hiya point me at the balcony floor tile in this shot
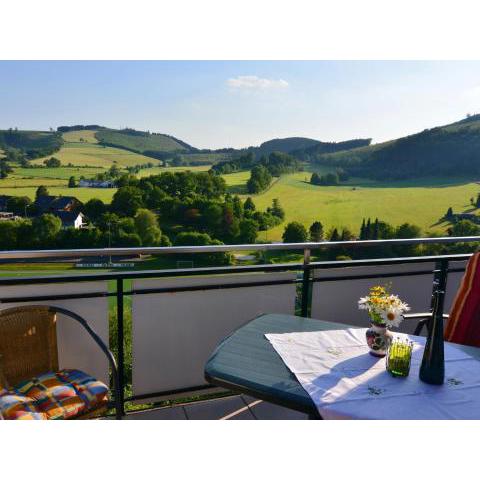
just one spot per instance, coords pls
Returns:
(167, 413)
(231, 408)
(268, 411)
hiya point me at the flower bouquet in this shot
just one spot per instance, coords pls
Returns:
(386, 311)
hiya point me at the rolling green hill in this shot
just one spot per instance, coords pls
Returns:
(146, 143)
(285, 145)
(452, 149)
(81, 148)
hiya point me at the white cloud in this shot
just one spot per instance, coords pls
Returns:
(252, 82)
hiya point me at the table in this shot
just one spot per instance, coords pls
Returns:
(246, 362)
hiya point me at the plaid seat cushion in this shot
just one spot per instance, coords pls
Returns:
(54, 396)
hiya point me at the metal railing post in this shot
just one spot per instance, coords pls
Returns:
(121, 344)
(306, 283)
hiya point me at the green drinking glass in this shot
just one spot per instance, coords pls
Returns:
(399, 357)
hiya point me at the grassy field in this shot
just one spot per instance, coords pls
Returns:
(146, 172)
(237, 181)
(89, 153)
(140, 143)
(88, 136)
(83, 194)
(63, 173)
(416, 202)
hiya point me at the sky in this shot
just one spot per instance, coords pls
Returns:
(215, 104)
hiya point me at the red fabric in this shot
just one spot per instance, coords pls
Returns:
(464, 320)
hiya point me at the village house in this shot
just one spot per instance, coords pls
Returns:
(96, 183)
(72, 219)
(65, 208)
(51, 204)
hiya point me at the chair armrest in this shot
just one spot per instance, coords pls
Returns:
(422, 319)
(410, 316)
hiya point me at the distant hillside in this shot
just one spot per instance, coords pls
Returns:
(312, 152)
(452, 149)
(156, 145)
(284, 145)
(33, 144)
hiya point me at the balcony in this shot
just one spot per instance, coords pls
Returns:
(163, 324)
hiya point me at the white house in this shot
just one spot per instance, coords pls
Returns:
(72, 219)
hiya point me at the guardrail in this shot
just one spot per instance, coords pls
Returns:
(305, 281)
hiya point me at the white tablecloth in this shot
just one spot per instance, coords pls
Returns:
(346, 382)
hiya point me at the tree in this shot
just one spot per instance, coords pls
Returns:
(52, 162)
(277, 210)
(315, 179)
(46, 227)
(72, 182)
(146, 226)
(316, 232)
(237, 207)
(363, 231)
(295, 232)
(260, 179)
(94, 209)
(477, 203)
(464, 228)
(41, 191)
(18, 205)
(334, 236)
(248, 231)
(407, 230)
(127, 200)
(5, 169)
(114, 172)
(449, 213)
(249, 205)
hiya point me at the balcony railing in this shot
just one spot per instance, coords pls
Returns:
(163, 324)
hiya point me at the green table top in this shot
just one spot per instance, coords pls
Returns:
(247, 363)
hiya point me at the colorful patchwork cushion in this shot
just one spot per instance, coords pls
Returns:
(53, 396)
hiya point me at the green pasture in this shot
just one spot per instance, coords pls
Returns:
(420, 202)
(61, 173)
(94, 155)
(83, 194)
(83, 136)
(146, 172)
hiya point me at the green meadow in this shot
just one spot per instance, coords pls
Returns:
(417, 202)
(83, 194)
(89, 153)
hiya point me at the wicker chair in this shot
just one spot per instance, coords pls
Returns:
(28, 347)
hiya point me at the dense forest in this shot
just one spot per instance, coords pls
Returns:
(441, 151)
(29, 144)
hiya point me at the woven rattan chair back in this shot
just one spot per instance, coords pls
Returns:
(28, 342)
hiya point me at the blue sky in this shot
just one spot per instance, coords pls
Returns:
(232, 103)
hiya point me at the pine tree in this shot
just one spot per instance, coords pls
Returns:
(362, 230)
(375, 230)
(368, 230)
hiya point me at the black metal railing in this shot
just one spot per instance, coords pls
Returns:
(304, 281)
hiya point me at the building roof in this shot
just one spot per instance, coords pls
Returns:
(3, 201)
(68, 218)
(49, 202)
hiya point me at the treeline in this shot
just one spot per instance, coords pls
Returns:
(20, 145)
(314, 152)
(72, 128)
(376, 229)
(276, 163)
(332, 178)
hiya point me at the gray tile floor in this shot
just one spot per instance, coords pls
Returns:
(239, 407)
